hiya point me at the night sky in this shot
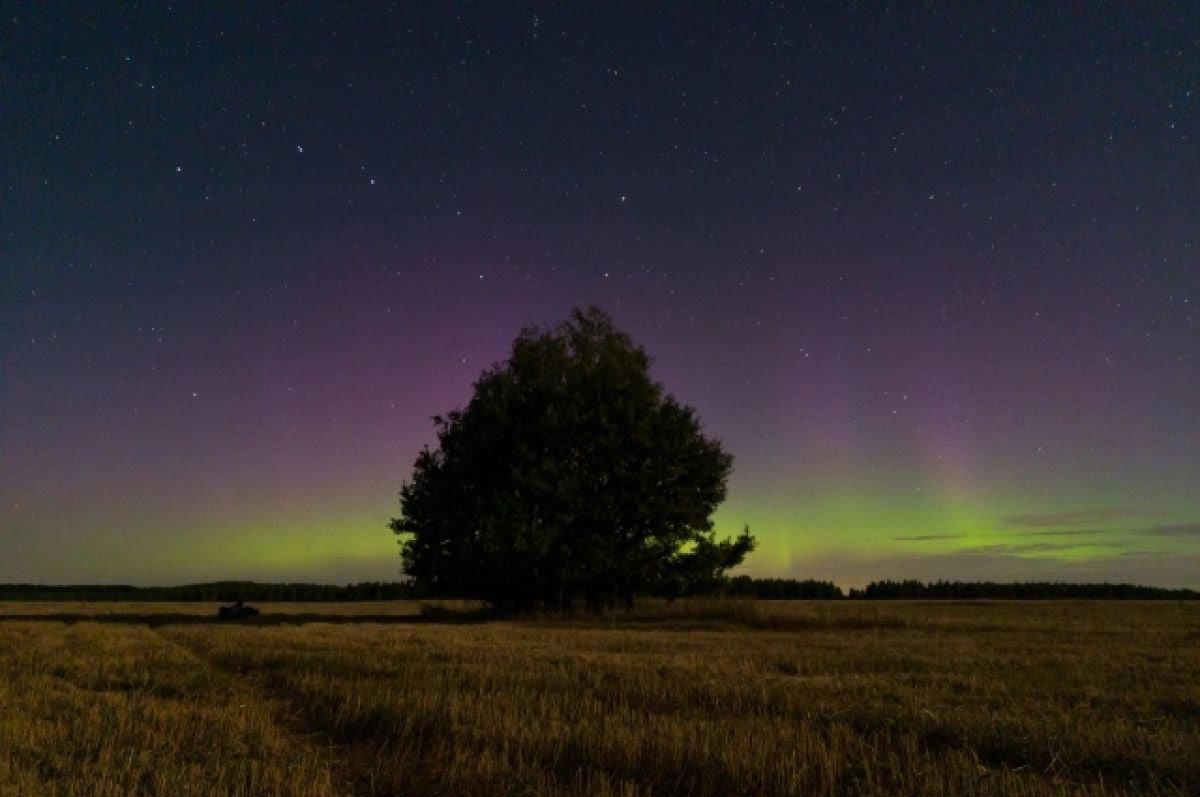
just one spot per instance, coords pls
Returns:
(932, 277)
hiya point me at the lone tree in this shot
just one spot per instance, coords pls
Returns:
(571, 477)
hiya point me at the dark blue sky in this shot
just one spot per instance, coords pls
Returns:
(923, 270)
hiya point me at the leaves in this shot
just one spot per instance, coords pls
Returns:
(571, 476)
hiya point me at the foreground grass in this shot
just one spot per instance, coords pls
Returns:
(725, 698)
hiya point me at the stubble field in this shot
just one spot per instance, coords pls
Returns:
(696, 698)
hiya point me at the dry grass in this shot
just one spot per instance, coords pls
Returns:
(695, 698)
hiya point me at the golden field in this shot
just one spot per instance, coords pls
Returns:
(716, 698)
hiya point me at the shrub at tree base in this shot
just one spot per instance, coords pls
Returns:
(570, 478)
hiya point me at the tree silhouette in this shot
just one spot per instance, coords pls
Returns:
(571, 477)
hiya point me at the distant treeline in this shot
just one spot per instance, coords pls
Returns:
(781, 589)
(1022, 590)
(215, 591)
(736, 587)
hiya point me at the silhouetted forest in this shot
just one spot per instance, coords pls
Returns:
(781, 589)
(1024, 590)
(222, 591)
(736, 587)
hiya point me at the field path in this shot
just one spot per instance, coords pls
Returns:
(347, 776)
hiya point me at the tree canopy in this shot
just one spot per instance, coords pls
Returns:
(570, 478)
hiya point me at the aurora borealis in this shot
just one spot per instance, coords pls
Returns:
(931, 275)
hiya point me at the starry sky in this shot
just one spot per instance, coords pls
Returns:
(931, 274)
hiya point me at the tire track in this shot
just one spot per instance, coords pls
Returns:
(287, 718)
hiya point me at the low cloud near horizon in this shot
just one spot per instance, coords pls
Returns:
(1179, 530)
(1075, 517)
(929, 537)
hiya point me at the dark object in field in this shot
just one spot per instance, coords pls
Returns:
(237, 611)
